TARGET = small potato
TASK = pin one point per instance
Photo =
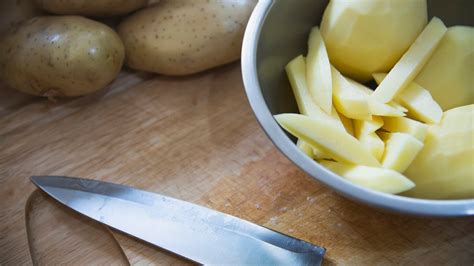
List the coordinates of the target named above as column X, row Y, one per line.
column 60, row 56
column 94, row 8
column 180, row 37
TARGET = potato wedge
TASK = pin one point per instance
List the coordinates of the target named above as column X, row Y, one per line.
column 405, row 125
column 421, row 106
column 376, row 107
column 411, row 62
column 374, row 144
column 364, row 127
column 349, row 102
column 400, row 150
column 327, row 137
column 379, row 179
column 319, row 71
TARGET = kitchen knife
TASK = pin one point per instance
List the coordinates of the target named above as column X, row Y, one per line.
column 189, row 230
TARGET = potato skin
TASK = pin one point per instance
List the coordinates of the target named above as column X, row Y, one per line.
column 94, row 8
column 181, row 37
column 58, row 56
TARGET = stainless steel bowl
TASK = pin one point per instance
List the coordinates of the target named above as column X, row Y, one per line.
column 277, row 32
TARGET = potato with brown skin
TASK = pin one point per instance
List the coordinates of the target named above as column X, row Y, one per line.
column 59, row 56
column 93, row 8
column 180, row 37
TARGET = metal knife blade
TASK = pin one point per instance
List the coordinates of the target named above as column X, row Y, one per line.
column 192, row 231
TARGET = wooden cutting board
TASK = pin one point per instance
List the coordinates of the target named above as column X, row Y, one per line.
column 193, row 138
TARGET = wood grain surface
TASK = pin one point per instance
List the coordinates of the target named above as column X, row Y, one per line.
column 196, row 139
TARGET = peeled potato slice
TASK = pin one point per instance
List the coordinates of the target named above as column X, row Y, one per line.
column 296, row 72
column 328, row 138
column 377, row 107
column 406, row 125
column 374, row 144
column 379, row 179
column 418, row 100
column 411, row 62
column 305, row 147
column 349, row 102
column 319, row 71
column 400, row 150
column 347, row 123
column 364, row 127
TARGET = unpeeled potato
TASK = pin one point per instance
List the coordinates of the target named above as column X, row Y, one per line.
column 95, row 8
column 58, row 56
column 180, row 37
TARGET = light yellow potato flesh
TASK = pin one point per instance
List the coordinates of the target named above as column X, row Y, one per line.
column 296, row 72
column 319, row 71
column 421, row 106
column 365, row 37
column 411, row 62
column 364, row 127
column 400, row 150
column 397, row 106
column 327, row 137
column 379, row 179
column 349, row 102
column 444, row 168
column 305, row 148
column 373, row 143
column 376, row 107
column 406, row 125
column 449, row 74
column 347, row 123
column 364, row 131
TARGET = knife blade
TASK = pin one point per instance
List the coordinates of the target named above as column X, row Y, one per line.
column 197, row 233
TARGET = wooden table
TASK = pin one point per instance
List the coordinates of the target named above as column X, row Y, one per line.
column 194, row 138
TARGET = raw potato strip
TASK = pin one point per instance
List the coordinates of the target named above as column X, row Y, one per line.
column 296, row 72
column 411, row 62
column 347, row 122
column 328, row 138
column 397, row 106
column 406, row 125
column 374, row 144
column 349, row 102
column 376, row 107
column 319, row 71
column 364, row 131
column 379, row 179
column 400, row 150
column 364, row 127
column 418, row 100
column 305, row 147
